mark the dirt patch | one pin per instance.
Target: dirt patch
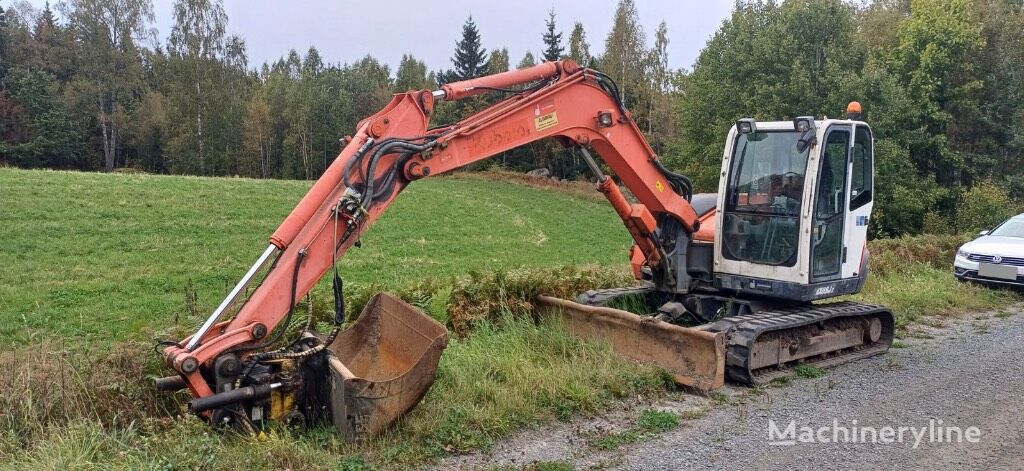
(575, 440)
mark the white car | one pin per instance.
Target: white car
(996, 257)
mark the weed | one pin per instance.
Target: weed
(898, 344)
(651, 422)
(658, 421)
(634, 303)
(353, 463)
(550, 466)
(904, 255)
(615, 440)
(922, 293)
(720, 397)
(781, 381)
(808, 371)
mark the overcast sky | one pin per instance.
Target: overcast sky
(345, 31)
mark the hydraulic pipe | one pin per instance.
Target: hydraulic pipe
(170, 383)
(331, 178)
(589, 159)
(231, 297)
(466, 88)
(234, 396)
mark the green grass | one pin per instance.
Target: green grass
(651, 422)
(808, 372)
(504, 378)
(912, 276)
(99, 264)
(102, 258)
(921, 291)
(95, 266)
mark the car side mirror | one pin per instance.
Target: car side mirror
(983, 233)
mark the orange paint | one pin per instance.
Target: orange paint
(567, 107)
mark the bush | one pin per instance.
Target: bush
(464, 302)
(936, 223)
(983, 206)
(902, 254)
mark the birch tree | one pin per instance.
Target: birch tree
(109, 32)
(197, 42)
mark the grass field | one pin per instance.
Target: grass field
(110, 257)
(95, 266)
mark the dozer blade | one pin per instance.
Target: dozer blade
(695, 358)
(382, 366)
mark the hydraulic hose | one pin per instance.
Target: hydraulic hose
(234, 396)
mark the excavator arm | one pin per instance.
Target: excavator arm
(396, 146)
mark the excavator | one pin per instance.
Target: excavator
(731, 283)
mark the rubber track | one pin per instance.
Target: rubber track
(743, 331)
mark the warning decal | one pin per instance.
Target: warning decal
(546, 121)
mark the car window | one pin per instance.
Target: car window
(1011, 228)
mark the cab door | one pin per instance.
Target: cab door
(829, 220)
(860, 199)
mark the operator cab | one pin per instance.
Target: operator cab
(793, 206)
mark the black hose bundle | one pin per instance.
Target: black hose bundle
(680, 183)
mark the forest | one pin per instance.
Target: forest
(87, 85)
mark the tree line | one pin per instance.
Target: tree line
(86, 85)
(939, 80)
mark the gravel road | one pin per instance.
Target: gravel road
(967, 373)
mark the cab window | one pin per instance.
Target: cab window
(860, 179)
(764, 195)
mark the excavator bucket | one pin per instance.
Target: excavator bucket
(382, 366)
(695, 358)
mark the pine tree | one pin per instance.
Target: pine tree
(552, 41)
(470, 58)
(579, 49)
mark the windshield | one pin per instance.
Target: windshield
(766, 185)
(767, 173)
(1011, 228)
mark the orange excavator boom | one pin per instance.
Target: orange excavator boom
(390, 149)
